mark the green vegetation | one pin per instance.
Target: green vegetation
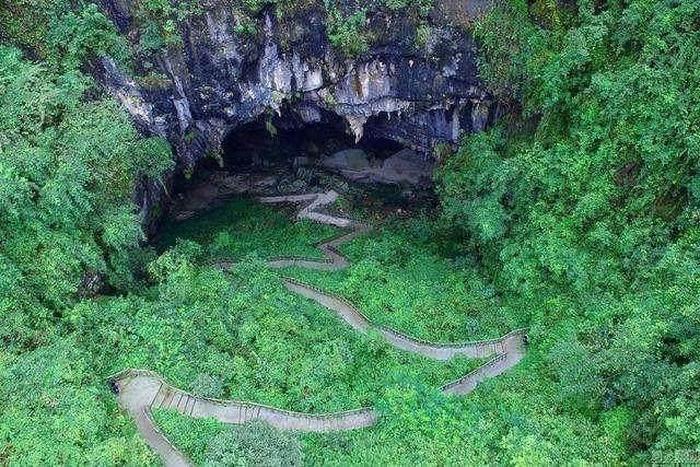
(423, 35)
(267, 232)
(577, 216)
(244, 332)
(158, 22)
(68, 167)
(76, 30)
(399, 279)
(423, 7)
(238, 335)
(63, 33)
(347, 33)
(587, 207)
(211, 443)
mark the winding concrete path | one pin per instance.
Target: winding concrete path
(434, 350)
(140, 391)
(332, 259)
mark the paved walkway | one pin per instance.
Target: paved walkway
(141, 391)
(435, 350)
(332, 259)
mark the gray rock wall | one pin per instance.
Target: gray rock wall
(217, 80)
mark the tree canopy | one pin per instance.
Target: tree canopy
(68, 169)
(586, 202)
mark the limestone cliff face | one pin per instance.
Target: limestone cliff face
(216, 80)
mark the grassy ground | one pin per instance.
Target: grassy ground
(242, 227)
(398, 279)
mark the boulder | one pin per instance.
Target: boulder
(347, 159)
(353, 164)
(405, 167)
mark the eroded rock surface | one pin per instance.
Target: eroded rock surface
(217, 80)
(349, 162)
(406, 167)
(195, 92)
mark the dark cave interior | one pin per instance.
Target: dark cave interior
(281, 155)
(274, 142)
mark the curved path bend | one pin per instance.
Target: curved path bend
(434, 350)
(140, 391)
(332, 259)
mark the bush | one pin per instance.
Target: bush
(346, 33)
(254, 444)
(67, 171)
(584, 206)
(208, 386)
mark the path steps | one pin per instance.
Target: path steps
(136, 386)
(315, 202)
(332, 259)
(140, 391)
(137, 399)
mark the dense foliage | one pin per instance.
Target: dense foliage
(68, 168)
(63, 33)
(69, 162)
(400, 278)
(577, 216)
(588, 206)
(255, 444)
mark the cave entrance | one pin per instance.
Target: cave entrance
(283, 155)
(267, 143)
(278, 143)
(285, 144)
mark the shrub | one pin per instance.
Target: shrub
(254, 444)
(346, 33)
(208, 386)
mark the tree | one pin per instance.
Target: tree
(67, 170)
(254, 444)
